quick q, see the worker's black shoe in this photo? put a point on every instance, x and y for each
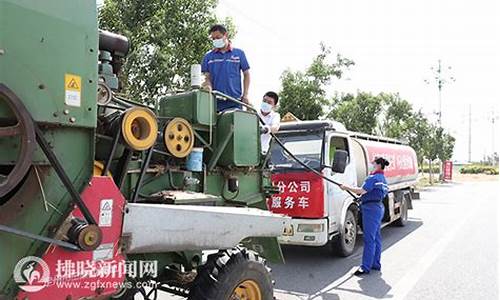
(360, 272)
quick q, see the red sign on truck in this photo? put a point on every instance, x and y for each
(301, 194)
(402, 159)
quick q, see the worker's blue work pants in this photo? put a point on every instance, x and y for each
(372, 214)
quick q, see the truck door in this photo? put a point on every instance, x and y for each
(335, 197)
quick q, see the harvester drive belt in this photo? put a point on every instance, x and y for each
(42, 142)
(39, 237)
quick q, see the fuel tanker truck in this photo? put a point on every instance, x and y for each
(322, 213)
(103, 197)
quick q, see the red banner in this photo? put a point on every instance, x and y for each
(447, 170)
(301, 195)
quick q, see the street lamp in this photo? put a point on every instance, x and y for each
(440, 78)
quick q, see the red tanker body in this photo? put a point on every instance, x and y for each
(321, 212)
(403, 159)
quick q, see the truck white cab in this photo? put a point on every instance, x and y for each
(321, 212)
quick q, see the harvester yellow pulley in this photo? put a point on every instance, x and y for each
(179, 137)
(139, 128)
(248, 290)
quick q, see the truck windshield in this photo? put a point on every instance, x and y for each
(306, 147)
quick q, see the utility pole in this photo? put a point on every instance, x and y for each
(440, 78)
(493, 119)
(470, 132)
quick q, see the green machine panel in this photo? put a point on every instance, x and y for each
(48, 55)
(48, 59)
(198, 107)
(243, 148)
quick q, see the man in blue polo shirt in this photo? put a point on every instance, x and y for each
(223, 66)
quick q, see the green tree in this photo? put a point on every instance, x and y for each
(438, 145)
(417, 134)
(400, 121)
(388, 115)
(303, 92)
(431, 148)
(357, 112)
(396, 119)
(447, 142)
(166, 37)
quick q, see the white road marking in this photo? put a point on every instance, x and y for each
(411, 278)
(289, 295)
(348, 275)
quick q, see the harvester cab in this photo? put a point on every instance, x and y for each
(100, 194)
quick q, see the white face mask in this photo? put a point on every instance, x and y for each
(219, 43)
(371, 168)
(266, 107)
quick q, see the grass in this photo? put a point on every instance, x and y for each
(423, 181)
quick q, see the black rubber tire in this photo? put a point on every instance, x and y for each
(225, 270)
(403, 219)
(340, 245)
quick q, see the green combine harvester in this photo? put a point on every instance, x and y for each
(102, 197)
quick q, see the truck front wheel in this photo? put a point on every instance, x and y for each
(237, 273)
(343, 244)
(403, 219)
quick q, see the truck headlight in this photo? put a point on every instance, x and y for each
(310, 228)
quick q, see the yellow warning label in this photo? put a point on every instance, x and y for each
(72, 82)
(72, 89)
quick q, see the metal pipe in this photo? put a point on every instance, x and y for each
(220, 94)
(114, 43)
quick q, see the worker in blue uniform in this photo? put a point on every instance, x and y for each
(372, 193)
(223, 67)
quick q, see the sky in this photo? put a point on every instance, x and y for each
(394, 44)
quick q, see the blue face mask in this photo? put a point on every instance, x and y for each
(266, 107)
(219, 43)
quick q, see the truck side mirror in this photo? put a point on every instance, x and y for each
(339, 161)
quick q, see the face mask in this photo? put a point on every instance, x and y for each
(266, 107)
(371, 168)
(219, 43)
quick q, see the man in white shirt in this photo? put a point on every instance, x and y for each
(270, 117)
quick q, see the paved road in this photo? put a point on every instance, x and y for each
(448, 250)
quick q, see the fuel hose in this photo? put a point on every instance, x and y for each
(280, 143)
